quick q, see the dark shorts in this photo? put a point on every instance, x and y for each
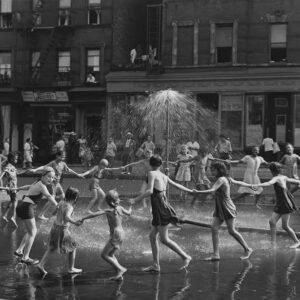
(25, 210)
(13, 196)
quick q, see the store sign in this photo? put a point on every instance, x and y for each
(59, 96)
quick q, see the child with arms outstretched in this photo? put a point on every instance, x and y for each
(284, 205)
(114, 217)
(225, 209)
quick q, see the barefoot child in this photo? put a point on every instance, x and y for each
(290, 162)
(183, 175)
(284, 205)
(10, 180)
(253, 163)
(97, 173)
(60, 239)
(114, 218)
(225, 209)
(162, 212)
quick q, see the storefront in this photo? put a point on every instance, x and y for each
(248, 104)
(45, 117)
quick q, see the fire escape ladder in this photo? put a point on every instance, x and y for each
(44, 55)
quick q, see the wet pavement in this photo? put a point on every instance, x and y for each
(268, 274)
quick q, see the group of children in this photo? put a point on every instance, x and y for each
(163, 214)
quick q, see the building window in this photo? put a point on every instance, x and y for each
(6, 14)
(64, 18)
(94, 12)
(224, 40)
(278, 42)
(93, 66)
(64, 65)
(35, 65)
(5, 68)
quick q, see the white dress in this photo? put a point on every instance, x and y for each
(184, 171)
(250, 176)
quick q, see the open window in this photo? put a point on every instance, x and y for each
(5, 68)
(94, 12)
(64, 16)
(224, 42)
(278, 43)
(6, 13)
(93, 66)
(64, 65)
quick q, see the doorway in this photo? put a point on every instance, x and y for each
(278, 113)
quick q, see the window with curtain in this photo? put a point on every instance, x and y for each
(64, 18)
(64, 65)
(94, 12)
(5, 68)
(224, 41)
(93, 64)
(278, 43)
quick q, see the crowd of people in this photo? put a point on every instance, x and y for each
(192, 163)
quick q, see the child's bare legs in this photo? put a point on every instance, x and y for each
(256, 200)
(240, 196)
(285, 226)
(183, 193)
(201, 187)
(238, 237)
(97, 195)
(155, 250)
(28, 239)
(165, 239)
(273, 221)
(215, 227)
(72, 269)
(108, 254)
(42, 262)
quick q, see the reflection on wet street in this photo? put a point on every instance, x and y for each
(268, 274)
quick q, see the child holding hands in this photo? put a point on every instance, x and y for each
(284, 204)
(60, 239)
(114, 217)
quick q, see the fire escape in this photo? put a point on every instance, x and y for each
(56, 38)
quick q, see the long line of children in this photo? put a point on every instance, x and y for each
(163, 214)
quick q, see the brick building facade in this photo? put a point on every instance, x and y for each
(240, 59)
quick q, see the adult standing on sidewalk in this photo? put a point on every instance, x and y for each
(110, 152)
(268, 145)
(128, 151)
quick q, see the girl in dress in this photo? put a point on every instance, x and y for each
(290, 161)
(97, 174)
(183, 175)
(25, 211)
(60, 239)
(114, 218)
(253, 163)
(284, 204)
(225, 209)
(162, 212)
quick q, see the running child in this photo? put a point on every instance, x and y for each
(97, 173)
(183, 175)
(10, 180)
(162, 212)
(114, 217)
(290, 162)
(284, 204)
(225, 209)
(60, 238)
(253, 162)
